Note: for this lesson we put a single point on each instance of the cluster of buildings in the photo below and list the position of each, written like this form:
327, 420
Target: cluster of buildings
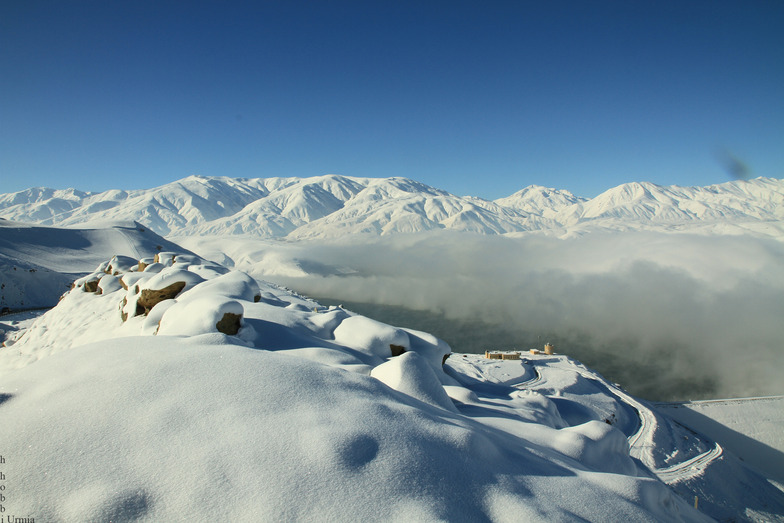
515, 355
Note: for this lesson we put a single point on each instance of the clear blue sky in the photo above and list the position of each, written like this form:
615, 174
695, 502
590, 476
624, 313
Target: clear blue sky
478, 98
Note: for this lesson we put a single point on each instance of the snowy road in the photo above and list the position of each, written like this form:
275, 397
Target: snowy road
642, 437
689, 468
749, 428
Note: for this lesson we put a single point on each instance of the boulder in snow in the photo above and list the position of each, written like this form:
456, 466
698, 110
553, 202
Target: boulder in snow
149, 298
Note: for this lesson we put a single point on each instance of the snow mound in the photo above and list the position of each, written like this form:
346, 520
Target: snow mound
380, 339
168, 428
411, 375
202, 316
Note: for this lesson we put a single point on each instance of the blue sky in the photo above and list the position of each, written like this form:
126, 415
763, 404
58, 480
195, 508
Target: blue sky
478, 98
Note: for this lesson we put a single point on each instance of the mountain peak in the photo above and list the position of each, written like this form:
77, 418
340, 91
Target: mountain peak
333, 205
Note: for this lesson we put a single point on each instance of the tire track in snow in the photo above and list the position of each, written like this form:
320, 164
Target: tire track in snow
131, 244
689, 468
641, 442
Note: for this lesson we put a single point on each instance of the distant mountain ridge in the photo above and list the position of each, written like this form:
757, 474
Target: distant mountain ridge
332, 206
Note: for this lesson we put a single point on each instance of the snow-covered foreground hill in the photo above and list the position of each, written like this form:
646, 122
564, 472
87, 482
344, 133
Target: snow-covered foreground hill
38, 263
338, 206
177, 389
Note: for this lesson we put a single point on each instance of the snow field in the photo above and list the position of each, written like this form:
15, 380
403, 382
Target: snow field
556, 392
300, 415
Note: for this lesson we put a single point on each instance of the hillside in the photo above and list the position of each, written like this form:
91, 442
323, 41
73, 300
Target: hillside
337, 206
38, 263
243, 386
194, 391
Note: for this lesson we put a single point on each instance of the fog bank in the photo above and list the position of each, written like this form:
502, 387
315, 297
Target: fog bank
700, 315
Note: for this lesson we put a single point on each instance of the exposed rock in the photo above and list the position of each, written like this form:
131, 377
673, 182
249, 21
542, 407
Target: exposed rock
144, 263
123, 314
229, 324
90, 286
151, 297
397, 350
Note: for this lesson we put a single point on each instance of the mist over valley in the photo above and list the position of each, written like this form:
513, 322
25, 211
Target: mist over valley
669, 317
673, 292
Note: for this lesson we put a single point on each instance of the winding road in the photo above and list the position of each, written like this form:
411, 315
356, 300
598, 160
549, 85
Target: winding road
642, 440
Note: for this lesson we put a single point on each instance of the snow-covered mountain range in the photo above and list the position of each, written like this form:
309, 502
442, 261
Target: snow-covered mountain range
333, 206
332, 415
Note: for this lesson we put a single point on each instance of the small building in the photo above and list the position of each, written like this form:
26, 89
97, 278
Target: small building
498, 355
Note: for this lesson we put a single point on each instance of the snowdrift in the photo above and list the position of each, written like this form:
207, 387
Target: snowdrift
175, 389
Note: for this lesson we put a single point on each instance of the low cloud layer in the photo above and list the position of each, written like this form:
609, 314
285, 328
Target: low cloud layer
664, 314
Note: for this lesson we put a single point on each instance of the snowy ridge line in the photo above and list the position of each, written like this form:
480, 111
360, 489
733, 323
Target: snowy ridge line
334, 206
132, 248
52, 257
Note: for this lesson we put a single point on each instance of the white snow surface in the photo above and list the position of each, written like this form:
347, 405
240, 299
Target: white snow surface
113, 413
301, 414
39, 263
749, 427
335, 206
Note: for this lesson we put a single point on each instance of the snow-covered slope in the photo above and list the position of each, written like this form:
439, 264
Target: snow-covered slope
759, 442
539, 200
193, 391
170, 207
38, 264
334, 206
756, 201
